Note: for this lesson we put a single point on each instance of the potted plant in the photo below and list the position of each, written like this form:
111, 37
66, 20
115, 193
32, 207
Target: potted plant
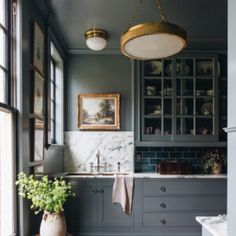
48, 196
214, 161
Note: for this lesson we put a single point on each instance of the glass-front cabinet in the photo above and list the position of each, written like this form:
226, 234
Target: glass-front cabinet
179, 99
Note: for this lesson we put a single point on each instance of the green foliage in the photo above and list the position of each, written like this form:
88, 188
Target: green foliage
45, 195
212, 158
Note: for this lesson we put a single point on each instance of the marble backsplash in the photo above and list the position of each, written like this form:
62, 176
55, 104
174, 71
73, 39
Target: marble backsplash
82, 147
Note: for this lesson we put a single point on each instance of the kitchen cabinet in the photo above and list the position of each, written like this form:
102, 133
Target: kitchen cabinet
161, 206
177, 99
92, 208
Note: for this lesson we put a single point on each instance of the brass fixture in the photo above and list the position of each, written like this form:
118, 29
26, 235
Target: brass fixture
155, 40
96, 39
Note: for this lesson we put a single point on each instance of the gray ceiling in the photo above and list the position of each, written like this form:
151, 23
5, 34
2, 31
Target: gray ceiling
204, 20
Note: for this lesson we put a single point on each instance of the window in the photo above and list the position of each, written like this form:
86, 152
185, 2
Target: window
3, 51
7, 172
56, 98
7, 51
53, 99
7, 118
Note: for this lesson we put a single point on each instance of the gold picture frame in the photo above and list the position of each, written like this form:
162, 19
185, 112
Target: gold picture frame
99, 111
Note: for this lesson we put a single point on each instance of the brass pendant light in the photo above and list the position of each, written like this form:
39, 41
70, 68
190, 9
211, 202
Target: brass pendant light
149, 41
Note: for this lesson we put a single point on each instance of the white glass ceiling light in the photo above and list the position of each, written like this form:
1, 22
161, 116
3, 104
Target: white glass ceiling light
96, 39
153, 40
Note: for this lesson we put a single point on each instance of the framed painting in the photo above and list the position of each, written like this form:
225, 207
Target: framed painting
37, 151
99, 111
38, 48
38, 94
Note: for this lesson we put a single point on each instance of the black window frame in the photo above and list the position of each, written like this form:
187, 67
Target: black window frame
9, 69
53, 99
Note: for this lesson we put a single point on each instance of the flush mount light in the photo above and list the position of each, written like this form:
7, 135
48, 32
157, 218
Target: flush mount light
153, 40
96, 39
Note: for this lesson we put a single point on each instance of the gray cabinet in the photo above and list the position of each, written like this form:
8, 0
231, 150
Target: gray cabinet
160, 207
177, 99
170, 206
92, 209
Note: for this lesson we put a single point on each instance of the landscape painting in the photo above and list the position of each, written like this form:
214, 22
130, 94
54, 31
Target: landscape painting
99, 111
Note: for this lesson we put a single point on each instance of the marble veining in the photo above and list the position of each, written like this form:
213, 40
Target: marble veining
216, 225
81, 148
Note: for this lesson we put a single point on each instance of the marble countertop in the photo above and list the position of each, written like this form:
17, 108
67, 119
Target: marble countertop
141, 175
214, 225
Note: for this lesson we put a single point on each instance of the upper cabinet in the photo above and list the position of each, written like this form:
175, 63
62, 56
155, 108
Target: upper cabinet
177, 99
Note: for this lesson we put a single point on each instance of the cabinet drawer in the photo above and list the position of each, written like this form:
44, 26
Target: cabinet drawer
199, 203
184, 187
172, 219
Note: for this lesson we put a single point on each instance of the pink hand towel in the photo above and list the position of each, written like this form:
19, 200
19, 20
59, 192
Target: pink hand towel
123, 192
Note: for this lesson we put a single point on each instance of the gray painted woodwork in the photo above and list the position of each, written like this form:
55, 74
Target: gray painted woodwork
231, 118
169, 213
142, 99
204, 21
29, 12
98, 74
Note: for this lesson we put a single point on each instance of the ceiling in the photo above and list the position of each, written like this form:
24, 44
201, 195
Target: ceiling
204, 20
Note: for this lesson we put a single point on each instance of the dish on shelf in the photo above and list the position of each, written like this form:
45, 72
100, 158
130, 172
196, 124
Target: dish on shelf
151, 91
183, 69
200, 92
210, 92
167, 92
153, 68
204, 68
207, 109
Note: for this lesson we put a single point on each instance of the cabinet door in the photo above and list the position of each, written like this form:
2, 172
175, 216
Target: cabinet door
82, 210
111, 214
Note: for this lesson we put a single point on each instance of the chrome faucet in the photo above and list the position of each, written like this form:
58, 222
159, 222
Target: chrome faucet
99, 165
98, 161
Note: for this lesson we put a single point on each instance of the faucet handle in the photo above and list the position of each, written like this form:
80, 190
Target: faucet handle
91, 167
118, 166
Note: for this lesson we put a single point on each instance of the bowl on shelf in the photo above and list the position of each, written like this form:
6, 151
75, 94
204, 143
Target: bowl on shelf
200, 92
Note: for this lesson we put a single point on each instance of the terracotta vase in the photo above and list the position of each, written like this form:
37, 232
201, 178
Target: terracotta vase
53, 224
217, 168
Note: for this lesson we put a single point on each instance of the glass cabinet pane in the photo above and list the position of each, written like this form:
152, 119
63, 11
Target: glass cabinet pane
185, 126
153, 68
153, 87
167, 126
204, 107
184, 106
152, 126
153, 107
204, 87
184, 87
167, 88
167, 106
168, 68
204, 67
204, 126
184, 67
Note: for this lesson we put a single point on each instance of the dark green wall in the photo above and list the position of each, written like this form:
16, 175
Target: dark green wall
98, 74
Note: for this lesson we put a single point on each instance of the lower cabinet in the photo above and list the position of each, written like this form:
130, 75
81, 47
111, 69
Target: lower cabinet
161, 207
92, 212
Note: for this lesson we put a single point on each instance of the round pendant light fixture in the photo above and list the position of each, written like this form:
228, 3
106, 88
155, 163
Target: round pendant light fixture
153, 40
96, 39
